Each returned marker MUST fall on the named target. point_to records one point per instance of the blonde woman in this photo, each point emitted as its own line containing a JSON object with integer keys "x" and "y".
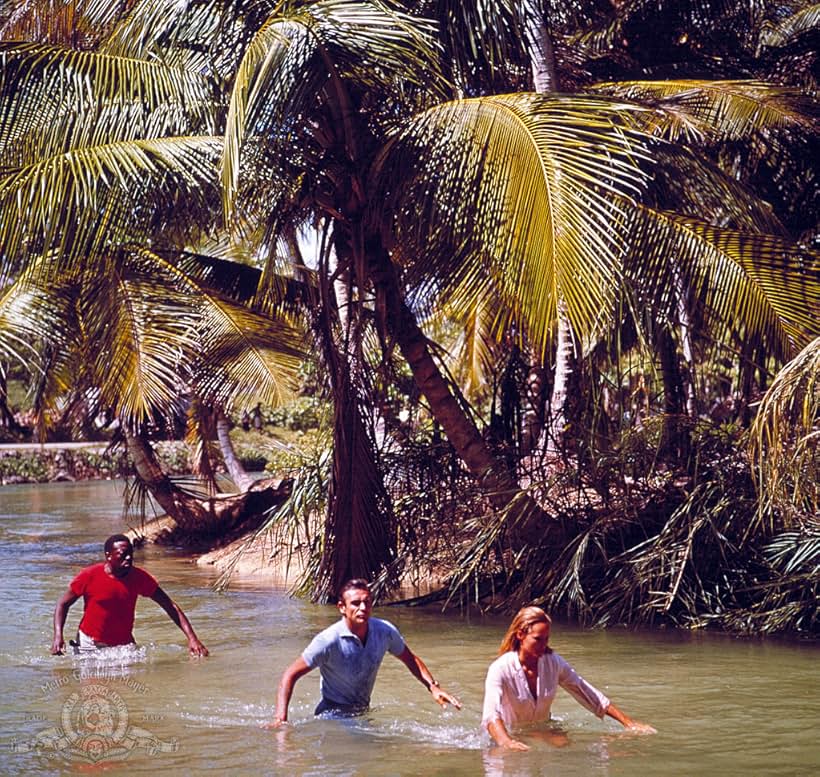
{"x": 522, "y": 682}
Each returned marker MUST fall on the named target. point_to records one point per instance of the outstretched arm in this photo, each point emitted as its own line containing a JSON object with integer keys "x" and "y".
{"x": 289, "y": 677}
{"x": 60, "y": 614}
{"x": 627, "y": 722}
{"x": 175, "y": 613}
{"x": 422, "y": 674}
{"x": 498, "y": 731}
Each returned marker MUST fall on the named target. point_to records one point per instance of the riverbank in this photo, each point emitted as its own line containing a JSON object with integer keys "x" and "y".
{"x": 54, "y": 462}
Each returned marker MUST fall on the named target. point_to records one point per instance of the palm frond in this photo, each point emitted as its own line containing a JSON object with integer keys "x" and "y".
{"x": 802, "y": 22}
{"x": 785, "y": 439}
{"x": 245, "y": 354}
{"x": 516, "y": 188}
{"x": 54, "y": 99}
{"x": 81, "y": 203}
{"x": 704, "y": 111}
{"x": 142, "y": 329}
{"x": 757, "y": 285}
{"x": 201, "y": 36}
{"x": 292, "y": 57}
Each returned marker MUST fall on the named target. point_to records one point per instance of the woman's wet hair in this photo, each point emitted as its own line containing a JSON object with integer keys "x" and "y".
{"x": 356, "y": 584}
{"x": 524, "y": 620}
{"x": 114, "y": 539}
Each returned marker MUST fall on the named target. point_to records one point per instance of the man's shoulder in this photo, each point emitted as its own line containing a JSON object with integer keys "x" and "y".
{"x": 90, "y": 571}
{"x": 382, "y": 624}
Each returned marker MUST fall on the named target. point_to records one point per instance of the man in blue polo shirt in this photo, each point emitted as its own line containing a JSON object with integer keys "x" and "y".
{"x": 349, "y": 654}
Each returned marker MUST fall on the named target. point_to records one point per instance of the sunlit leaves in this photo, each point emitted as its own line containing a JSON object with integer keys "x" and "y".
{"x": 90, "y": 200}
{"x": 54, "y": 99}
{"x": 519, "y": 189}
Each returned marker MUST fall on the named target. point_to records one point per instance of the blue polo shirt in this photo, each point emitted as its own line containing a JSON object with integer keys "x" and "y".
{"x": 348, "y": 668}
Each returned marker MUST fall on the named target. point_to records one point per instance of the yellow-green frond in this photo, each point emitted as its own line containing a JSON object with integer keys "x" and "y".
{"x": 517, "y": 189}
{"x": 54, "y": 99}
{"x": 85, "y": 201}
{"x": 693, "y": 110}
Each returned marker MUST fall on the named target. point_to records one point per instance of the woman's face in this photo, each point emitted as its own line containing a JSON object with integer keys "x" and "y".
{"x": 535, "y": 640}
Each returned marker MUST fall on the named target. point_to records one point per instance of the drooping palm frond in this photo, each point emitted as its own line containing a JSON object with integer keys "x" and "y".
{"x": 293, "y": 58}
{"x": 83, "y": 203}
{"x": 785, "y": 439}
{"x": 704, "y": 111}
{"x": 54, "y": 99}
{"x": 796, "y": 551}
{"x": 52, "y": 21}
{"x": 756, "y": 285}
{"x": 202, "y": 35}
{"x": 241, "y": 352}
{"x": 142, "y": 329}
{"x": 786, "y": 32}
{"x": 516, "y": 188}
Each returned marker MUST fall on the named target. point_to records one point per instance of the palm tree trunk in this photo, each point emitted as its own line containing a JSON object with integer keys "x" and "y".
{"x": 675, "y": 433}
{"x": 235, "y": 469}
{"x": 186, "y": 510}
{"x": 532, "y": 15}
{"x": 214, "y": 517}
{"x": 564, "y": 356}
{"x": 528, "y": 523}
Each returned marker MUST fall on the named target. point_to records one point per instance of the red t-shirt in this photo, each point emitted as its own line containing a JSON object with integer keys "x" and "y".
{"x": 110, "y": 602}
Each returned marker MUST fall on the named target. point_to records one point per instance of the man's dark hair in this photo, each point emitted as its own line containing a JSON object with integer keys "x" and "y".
{"x": 114, "y": 539}
{"x": 356, "y": 584}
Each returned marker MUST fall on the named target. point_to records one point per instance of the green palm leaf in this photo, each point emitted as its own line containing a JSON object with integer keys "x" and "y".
{"x": 241, "y": 353}
{"x": 702, "y": 111}
{"x": 756, "y": 285}
{"x": 517, "y": 189}
{"x": 784, "y": 33}
{"x": 291, "y": 59}
{"x": 88, "y": 200}
{"x": 54, "y": 99}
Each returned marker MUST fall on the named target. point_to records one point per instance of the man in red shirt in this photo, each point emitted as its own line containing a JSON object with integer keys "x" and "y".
{"x": 110, "y": 592}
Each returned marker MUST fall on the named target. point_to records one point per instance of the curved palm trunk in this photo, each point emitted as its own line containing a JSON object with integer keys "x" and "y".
{"x": 214, "y": 516}
{"x": 528, "y": 524}
{"x": 235, "y": 469}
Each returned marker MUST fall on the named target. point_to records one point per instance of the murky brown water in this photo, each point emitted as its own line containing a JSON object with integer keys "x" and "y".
{"x": 721, "y": 706}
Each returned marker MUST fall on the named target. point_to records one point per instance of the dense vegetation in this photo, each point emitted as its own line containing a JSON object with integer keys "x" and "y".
{"x": 561, "y": 307}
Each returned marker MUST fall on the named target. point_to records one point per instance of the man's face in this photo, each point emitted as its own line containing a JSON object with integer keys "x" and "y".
{"x": 355, "y": 606}
{"x": 120, "y": 558}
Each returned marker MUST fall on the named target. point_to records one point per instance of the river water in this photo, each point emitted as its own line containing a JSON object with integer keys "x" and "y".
{"x": 721, "y": 706}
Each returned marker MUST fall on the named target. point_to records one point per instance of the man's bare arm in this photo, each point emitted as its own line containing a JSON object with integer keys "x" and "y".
{"x": 60, "y": 615}
{"x": 289, "y": 677}
{"x": 420, "y": 671}
{"x": 174, "y": 612}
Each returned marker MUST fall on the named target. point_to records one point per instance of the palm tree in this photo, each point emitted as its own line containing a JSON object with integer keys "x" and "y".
{"x": 336, "y": 117}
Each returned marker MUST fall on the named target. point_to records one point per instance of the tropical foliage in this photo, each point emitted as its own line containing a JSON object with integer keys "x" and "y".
{"x": 647, "y": 231}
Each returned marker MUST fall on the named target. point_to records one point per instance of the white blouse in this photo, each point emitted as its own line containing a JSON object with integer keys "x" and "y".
{"x": 507, "y": 695}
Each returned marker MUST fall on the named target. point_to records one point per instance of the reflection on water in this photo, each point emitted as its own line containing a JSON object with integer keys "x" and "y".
{"x": 721, "y": 706}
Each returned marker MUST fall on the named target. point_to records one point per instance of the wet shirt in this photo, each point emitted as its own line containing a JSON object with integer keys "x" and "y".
{"x": 348, "y": 668}
{"x": 110, "y": 602}
{"x": 507, "y": 694}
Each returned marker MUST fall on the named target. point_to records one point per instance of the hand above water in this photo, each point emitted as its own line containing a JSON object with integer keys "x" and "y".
{"x": 641, "y": 728}
{"x": 443, "y": 698}
{"x": 196, "y": 648}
